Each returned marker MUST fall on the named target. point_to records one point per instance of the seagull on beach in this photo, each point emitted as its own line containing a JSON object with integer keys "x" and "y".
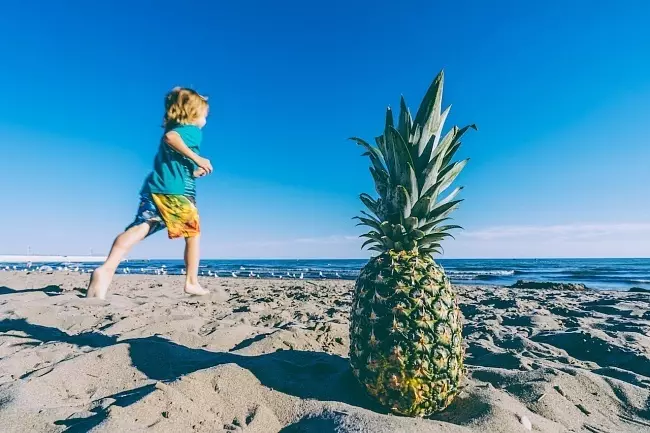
{"x": 302, "y": 276}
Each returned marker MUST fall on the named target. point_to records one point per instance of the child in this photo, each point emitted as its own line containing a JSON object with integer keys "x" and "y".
{"x": 167, "y": 198}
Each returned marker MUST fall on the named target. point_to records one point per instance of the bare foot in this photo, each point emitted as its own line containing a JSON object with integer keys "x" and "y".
{"x": 195, "y": 289}
{"x": 99, "y": 282}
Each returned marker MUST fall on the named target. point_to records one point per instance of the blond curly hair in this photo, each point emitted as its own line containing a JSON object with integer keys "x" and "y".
{"x": 183, "y": 106}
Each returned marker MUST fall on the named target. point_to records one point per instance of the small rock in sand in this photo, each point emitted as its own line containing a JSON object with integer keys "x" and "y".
{"x": 549, "y": 285}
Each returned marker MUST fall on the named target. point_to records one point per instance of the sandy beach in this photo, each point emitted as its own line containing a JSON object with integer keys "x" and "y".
{"x": 273, "y": 358}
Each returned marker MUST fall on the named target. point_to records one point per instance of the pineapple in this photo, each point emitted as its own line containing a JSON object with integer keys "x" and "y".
{"x": 405, "y": 328}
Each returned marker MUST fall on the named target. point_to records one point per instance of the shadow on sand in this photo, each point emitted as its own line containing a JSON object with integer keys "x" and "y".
{"x": 50, "y": 290}
{"x": 307, "y": 375}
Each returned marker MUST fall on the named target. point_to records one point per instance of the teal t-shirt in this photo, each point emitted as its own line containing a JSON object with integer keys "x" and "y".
{"x": 172, "y": 172}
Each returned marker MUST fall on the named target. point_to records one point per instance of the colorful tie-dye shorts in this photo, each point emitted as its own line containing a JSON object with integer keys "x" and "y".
{"x": 176, "y": 212}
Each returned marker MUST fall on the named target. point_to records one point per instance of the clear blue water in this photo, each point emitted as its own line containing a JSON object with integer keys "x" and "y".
{"x": 619, "y": 274}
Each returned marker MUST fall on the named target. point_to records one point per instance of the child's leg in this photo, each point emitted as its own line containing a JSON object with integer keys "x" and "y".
{"x": 102, "y": 276}
{"x": 192, "y": 248}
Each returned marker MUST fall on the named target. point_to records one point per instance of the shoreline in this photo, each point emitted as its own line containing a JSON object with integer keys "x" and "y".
{"x": 597, "y": 274}
{"x": 312, "y": 280}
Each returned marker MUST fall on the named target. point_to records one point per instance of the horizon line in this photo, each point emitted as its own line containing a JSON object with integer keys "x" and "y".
{"x": 26, "y": 257}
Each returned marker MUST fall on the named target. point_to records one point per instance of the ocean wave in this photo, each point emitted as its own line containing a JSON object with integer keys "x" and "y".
{"x": 620, "y": 274}
{"x": 478, "y": 273}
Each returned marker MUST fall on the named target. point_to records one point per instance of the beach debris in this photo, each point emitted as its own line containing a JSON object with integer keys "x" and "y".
{"x": 526, "y": 422}
{"x": 549, "y": 285}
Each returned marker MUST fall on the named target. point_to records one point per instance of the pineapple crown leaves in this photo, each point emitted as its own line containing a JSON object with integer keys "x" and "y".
{"x": 412, "y": 166}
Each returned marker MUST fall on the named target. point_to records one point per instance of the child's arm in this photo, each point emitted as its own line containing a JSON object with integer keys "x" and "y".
{"x": 174, "y": 140}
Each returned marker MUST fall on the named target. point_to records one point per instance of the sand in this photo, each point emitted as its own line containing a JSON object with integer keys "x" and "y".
{"x": 272, "y": 358}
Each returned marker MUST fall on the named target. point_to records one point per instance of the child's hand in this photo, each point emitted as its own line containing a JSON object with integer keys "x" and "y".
{"x": 204, "y": 164}
{"x": 199, "y": 172}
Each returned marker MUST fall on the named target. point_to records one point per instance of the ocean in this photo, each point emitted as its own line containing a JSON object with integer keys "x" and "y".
{"x": 617, "y": 274}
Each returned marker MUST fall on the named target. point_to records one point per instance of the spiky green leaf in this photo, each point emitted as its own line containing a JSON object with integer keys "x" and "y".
{"x": 405, "y": 121}
{"x": 433, "y": 237}
{"x": 395, "y": 142}
{"x": 439, "y": 211}
{"x": 369, "y": 222}
{"x": 370, "y": 203}
{"x": 381, "y": 181}
{"x": 387, "y": 228}
{"x": 372, "y": 235}
{"x": 443, "y": 214}
{"x": 413, "y": 183}
{"x": 428, "y": 226}
{"x": 370, "y": 242}
{"x": 447, "y": 228}
{"x": 417, "y": 234}
{"x": 372, "y": 152}
{"x": 450, "y": 174}
{"x": 404, "y": 203}
{"x": 451, "y": 196}
{"x": 429, "y": 112}
{"x": 421, "y": 207}
{"x": 410, "y": 223}
{"x": 387, "y": 242}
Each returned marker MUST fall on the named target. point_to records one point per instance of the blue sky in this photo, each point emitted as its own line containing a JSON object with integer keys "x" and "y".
{"x": 560, "y": 91}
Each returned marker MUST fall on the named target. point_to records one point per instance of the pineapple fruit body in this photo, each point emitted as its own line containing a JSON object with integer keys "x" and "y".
{"x": 405, "y": 334}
